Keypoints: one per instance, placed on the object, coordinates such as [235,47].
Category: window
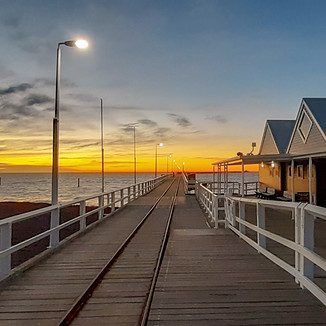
[300,171]
[305,126]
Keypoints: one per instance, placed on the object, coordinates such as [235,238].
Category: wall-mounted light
[262,164]
[273,164]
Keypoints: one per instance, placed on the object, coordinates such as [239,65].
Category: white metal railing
[212,204]
[234,187]
[304,216]
[189,184]
[114,200]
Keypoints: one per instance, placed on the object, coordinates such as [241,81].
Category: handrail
[304,216]
[250,187]
[115,200]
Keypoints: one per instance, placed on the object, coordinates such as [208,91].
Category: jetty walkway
[206,277]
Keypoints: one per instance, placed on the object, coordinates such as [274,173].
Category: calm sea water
[37,187]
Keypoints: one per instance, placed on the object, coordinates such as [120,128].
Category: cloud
[33,99]
[9,111]
[161,132]
[180,120]
[15,89]
[86,145]
[217,117]
[147,122]
[124,108]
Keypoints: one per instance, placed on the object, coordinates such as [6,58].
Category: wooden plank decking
[208,277]
[211,277]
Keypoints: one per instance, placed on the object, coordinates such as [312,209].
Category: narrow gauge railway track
[145,238]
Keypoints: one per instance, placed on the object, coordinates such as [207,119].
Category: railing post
[128,200]
[261,239]
[112,201]
[215,211]
[134,192]
[138,190]
[297,235]
[82,211]
[307,241]
[121,198]
[100,204]
[55,221]
[5,243]
[242,216]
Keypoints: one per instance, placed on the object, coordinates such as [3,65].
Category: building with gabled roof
[276,136]
[292,154]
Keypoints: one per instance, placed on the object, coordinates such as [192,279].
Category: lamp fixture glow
[262,164]
[161,144]
[81,44]
[273,164]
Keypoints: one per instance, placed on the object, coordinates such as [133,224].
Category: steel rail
[84,297]
[148,304]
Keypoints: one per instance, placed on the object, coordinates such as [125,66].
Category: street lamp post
[102,144]
[167,163]
[135,166]
[81,44]
[161,145]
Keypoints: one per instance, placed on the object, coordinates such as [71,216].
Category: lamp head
[80,44]
[161,144]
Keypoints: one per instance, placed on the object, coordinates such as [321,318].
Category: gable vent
[304,126]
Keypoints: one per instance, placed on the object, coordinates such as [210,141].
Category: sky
[200,76]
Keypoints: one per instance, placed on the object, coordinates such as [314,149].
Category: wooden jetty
[207,276]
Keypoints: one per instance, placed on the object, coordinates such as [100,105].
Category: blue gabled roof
[281,131]
[317,106]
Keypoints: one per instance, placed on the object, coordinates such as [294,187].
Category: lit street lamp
[81,44]
[161,145]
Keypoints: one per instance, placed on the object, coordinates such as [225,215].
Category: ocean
[36,187]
